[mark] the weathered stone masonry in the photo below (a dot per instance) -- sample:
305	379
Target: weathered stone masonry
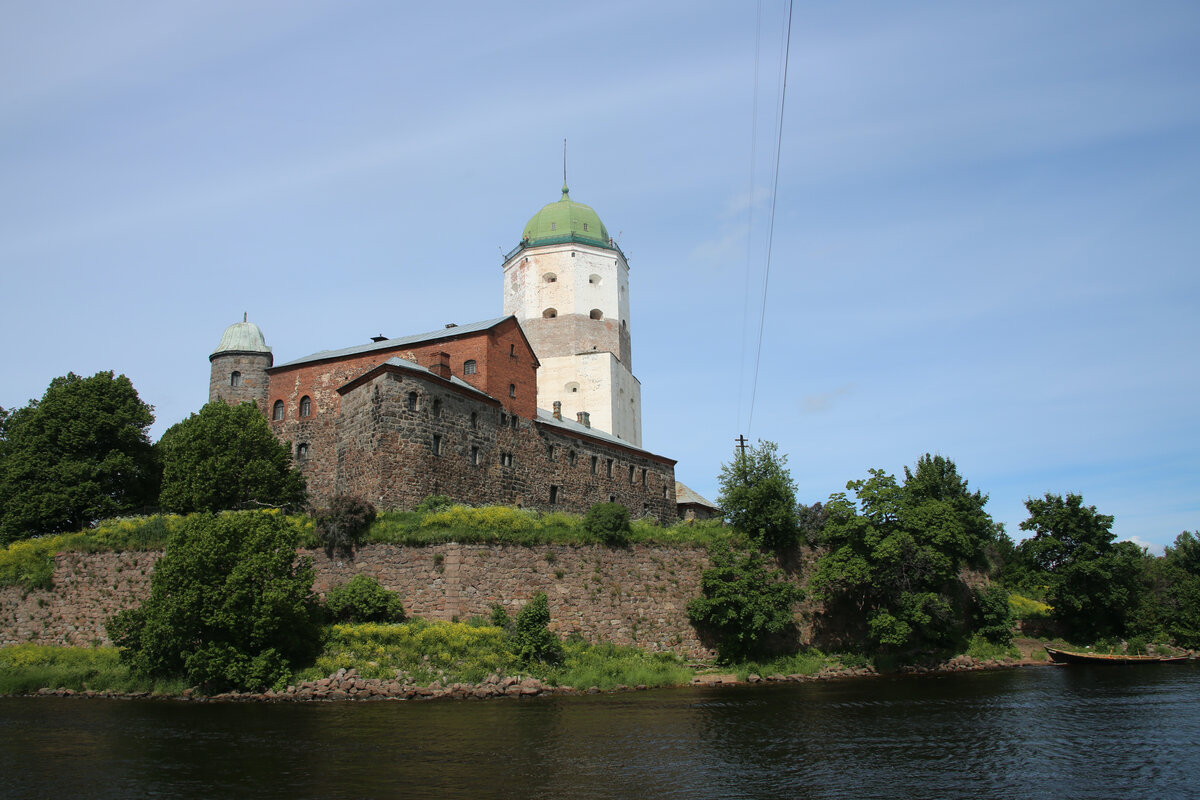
635	596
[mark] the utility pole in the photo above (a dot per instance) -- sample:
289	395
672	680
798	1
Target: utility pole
741	445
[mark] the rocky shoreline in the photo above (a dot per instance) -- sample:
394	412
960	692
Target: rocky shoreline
348	685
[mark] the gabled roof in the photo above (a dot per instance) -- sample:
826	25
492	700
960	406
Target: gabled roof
574	428
454	332
404	365
685	496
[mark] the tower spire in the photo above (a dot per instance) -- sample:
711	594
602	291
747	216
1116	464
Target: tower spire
565	190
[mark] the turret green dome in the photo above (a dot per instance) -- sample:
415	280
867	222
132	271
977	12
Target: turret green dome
565	221
242	337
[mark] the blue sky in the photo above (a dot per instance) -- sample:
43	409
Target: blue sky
985	243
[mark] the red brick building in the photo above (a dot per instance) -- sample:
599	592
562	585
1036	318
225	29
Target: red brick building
451	412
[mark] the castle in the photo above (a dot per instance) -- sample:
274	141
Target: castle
538	408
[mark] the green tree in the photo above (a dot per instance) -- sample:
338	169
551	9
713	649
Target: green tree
344	523
79	454
743	602
1170	607
226	457
230	606
758	497
893	555
1094	581
531	639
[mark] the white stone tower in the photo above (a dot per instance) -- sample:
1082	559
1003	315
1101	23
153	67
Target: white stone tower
567	283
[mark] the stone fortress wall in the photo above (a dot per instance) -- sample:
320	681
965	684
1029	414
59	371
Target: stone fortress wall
630	596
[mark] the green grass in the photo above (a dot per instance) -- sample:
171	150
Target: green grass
808	662
25	668
980	648
467	652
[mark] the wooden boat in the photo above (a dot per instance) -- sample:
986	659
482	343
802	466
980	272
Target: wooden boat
1069	657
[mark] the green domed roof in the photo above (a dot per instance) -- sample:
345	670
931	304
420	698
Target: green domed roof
565	221
242	337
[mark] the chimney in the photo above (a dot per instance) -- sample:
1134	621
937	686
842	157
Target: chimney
584	419
440	365
379	338
558	409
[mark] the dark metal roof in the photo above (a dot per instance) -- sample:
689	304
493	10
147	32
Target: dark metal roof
403	341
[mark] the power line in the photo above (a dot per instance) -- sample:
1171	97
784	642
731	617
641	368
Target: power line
749	214
771	219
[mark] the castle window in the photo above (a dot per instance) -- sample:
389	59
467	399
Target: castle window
235	379
474	419
412	401
475	456
503	419
572	387
277	411
553	494
550	452
631	474
624	324
571	458
595	463
305	406
550	313
553	226
512	390
301	451
514	421
608	467
469	367
572	254
585	226
664	491
612	498
437	407
596	313
594	279
506	459
437	444
643	476
512	351
550	277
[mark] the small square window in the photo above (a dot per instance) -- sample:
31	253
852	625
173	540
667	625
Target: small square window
469	367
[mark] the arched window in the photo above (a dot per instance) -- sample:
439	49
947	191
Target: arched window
277	410
301	451
550	277
469	367
594	279
235	379
305	406
550	313
512	390
596	313
572	387
412	401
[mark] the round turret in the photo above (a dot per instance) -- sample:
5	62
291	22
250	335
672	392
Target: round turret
239	366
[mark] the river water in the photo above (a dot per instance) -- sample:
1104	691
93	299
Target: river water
1040	732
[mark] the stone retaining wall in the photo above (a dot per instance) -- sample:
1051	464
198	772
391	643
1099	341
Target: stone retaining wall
633	596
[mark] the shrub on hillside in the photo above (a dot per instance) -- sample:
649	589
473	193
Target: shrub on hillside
364	600
344	523
433	503
230	606
531	639
608	522
993	614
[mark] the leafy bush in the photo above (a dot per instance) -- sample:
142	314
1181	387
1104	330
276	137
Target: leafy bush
500	617
364	600
608	522
230	607
743	601
344	523
993	615
434	502
531	639
1028	608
